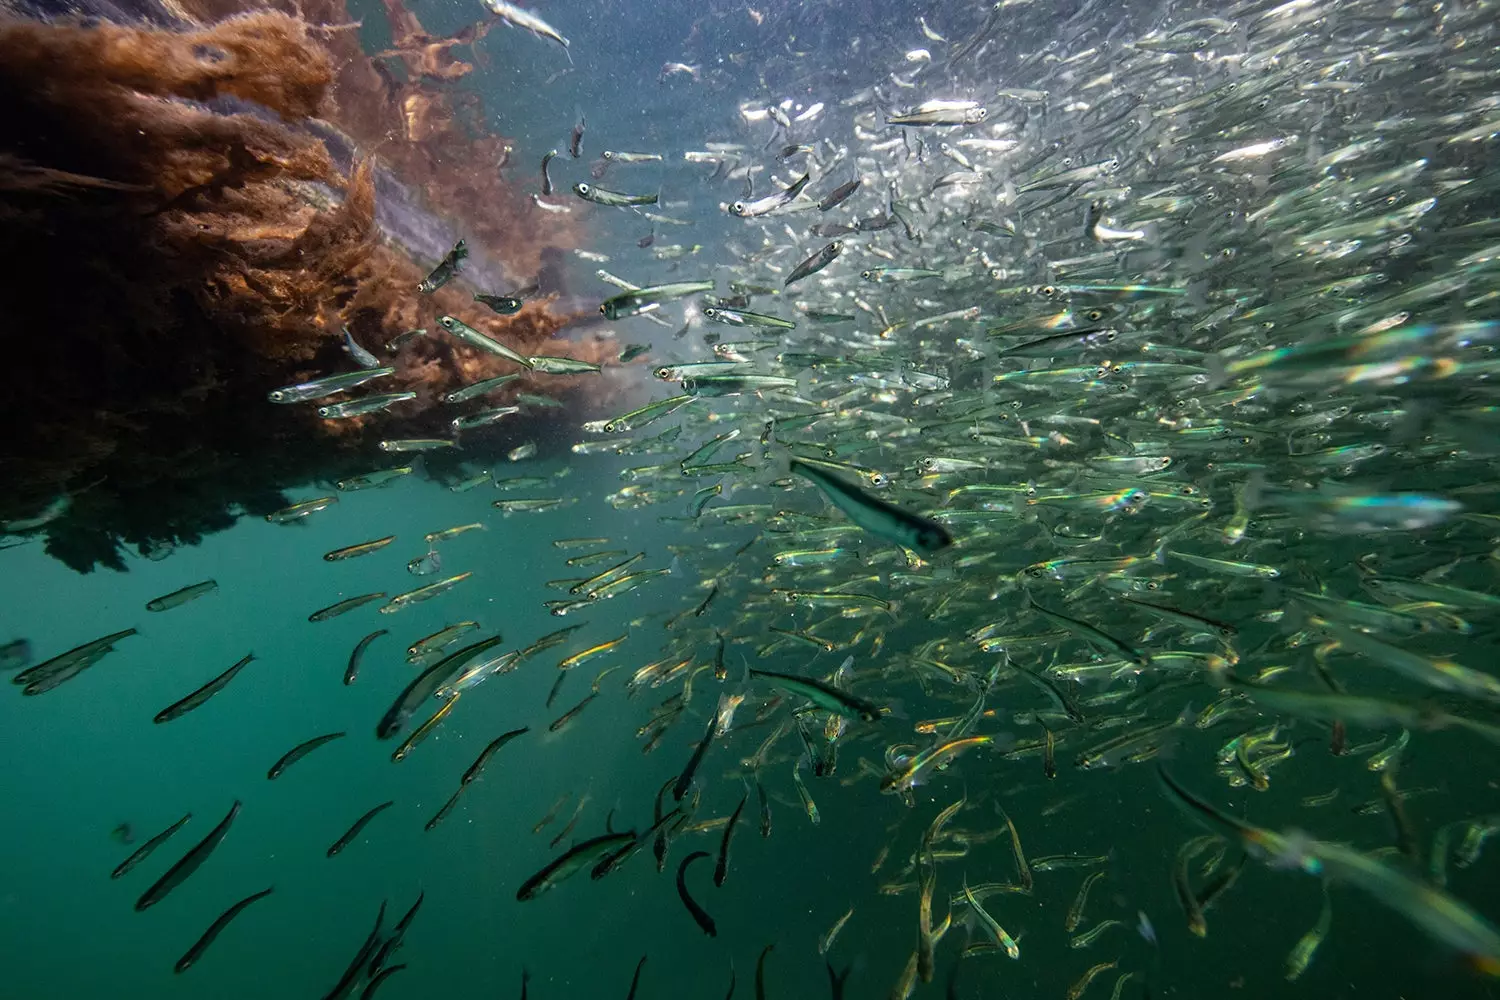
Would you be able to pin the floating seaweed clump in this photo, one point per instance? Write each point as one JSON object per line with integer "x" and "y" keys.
{"x": 182, "y": 233}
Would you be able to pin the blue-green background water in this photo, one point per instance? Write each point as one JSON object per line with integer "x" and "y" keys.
{"x": 87, "y": 757}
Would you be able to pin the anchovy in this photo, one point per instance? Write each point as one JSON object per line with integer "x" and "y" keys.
{"x": 364, "y": 405}
{"x": 523, "y": 18}
{"x": 637, "y": 300}
{"x": 361, "y": 549}
{"x": 825, "y": 696}
{"x": 359, "y": 825}
{"x": 356, "y": 969}
{"x": 215, "y": 929}
{"x": 489, "y": 751}
{"x": 575, "y": 143}
{"x": 504, "y": 305}
{"x": 425, "y": 684}
{"x": 875, "y": 515}
{"x": 763, "y": 206}
{"x": 446, "y": 270}
{"x": 299, "y": 751}
{"x": 700, "y": 915}
{"x": 546, "y": 177}
{"x": 309, "y": 392}
{"x": 178, "y": 709}
{"x": 685, "y": 779}
{"x": 345, "y": 606}
{"x": 721, "y": 869}
{"x": 352, "y": 670}
{"x": 474, "y": 338}
{"x": 177, "y": 598}
{"x": 573, "y": 860}
{"x": 613, "y": 199}
{"x": 64, "y": 667}
{"x": 361, "y": 357}
{"x": 815, "y": 263}
{"x": 839, "y": 195}
{"x": 142, "y": 852}
{"x": 380, "y": 977}
{"x": 188, "y": 863}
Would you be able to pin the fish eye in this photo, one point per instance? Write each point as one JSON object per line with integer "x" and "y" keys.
{"x": 603, "y": 310}
{"x": 710, "y": 312}
{"x": 608, "y": 154}
{"x": 583, "y": 187}
{"x": 1015, "y": 404}
{"x": 867, "y": 275}
{"x": 323, "y": 411}
{"x": 926, "y": 464}
{"x": 1152, "y": 585}
{"x": 738, "y": 208}
{"x": 836, "y": 246}
{"x": 1111, "y": 335}
{"x": 1031, "y": 491}
{"x": 1067, "y": 161}
{"x": 1094, "y": 315}
{"x": 982, "y": 114}
{"x": 446, "y": 322}
{"x": 1048, "y": 291}
{"x": 276, "y": 395}
{"x": 1166, "y": 460}
{"x": 879, "y": 479}
{"x": 663, "y": 373}
{"x": 1210, "y": 196}
{"x": 1033, "y": 571}
{"x": 1101, "y": 371}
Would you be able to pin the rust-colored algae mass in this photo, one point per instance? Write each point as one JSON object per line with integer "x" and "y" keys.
{"x": 188, "y": 218}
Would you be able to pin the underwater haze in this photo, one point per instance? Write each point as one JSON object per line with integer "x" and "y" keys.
{"x": 1041, "y": 538}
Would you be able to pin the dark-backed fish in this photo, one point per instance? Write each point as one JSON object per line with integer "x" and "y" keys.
{"x": 188, "y": 863}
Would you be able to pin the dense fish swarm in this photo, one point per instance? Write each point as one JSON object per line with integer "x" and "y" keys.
{"x": 1133, "y": 409}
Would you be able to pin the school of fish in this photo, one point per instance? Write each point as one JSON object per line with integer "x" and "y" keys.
{"x": 997, "y": 442}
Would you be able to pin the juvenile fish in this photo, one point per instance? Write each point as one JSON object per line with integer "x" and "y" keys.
{"x": 523, "y": 18}
{"x": 613, "y": 199}
{"x": 466, "y": 333}
{"x": 188, "y": 863}
{"x": 446, "y": 270}
{"x": 572, "y": 861}
{"x": 839, "y": 195}
{"x": 344, "y": 606}
{"x": 359, "y": 825}
{"x": 215, "y": 929}
{"x": 308, "y": 392}
{"x": 875, "y": 515}
{"x": 178, "y": 709}
{"x": 815, "y": 263}
{"x": 352, "y": 670}
{"x": 177, "y": 598}
{"x": 297, "y": 511}
{"x": 360, "y": 549}
{"x": 144, "y": 851}
{"x": 49, "y": 674}
{"x": 373, "y": 479}
{"x": 768, "y": 204}
{"x": 299, "y": 751}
